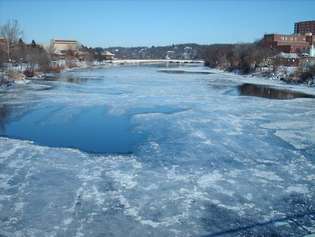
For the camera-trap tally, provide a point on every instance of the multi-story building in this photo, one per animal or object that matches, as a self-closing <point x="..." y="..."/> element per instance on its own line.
<point x="299" y="42"/>
<point x="310" y="38"/>
<point x="3" y="43"/>
<point x="304" y="27"/>
<point x="60" y="47"/>
<point x="287" y="43"/>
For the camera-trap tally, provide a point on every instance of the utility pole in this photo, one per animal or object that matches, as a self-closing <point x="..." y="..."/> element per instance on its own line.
<point x="8" y="44"/>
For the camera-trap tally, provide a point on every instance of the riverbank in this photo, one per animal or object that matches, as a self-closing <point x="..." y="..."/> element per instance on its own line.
<point x="255" y="58"/>
<point x="286" y="74"/>
<point x="253" y="78"/>
<point x="11" y="75"/>
<point x="179" y="67"/>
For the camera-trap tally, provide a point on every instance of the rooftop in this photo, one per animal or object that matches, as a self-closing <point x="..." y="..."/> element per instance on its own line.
<point x="65" y="41"/>
<point x="311" y="21"/>
<point x="107" y="53"/>
<point x="288" y="55"/>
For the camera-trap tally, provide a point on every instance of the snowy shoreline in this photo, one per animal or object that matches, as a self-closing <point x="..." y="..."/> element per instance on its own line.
<point x="183" y="67"/>
<point x="253" y="79"/>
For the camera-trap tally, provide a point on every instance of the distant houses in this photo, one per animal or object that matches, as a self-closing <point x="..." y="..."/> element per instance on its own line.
<point x="295" y="48"/>
<point x="30" y="58"/>
<point x="300" y="41"/>
<point x="108" y="55"/>
<point x="61" y="47"/>
<point x="170" y="54"/>
<point x="287" y="59"/>
<point x="72" y="53"/>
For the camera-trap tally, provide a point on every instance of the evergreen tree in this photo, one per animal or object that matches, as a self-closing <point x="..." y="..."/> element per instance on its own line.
<point x="33" y="44"/>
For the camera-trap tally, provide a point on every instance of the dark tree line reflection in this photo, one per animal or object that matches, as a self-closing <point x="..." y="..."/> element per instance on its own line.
<point x="270" y="92"/>
<point x="5" y="112"/>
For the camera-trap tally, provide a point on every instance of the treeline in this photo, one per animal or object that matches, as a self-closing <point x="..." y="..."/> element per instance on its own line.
<point x="14" y="51"/>
<point x="245" y="58"/>
<point x="248" y="58"/>
<point x="175" y="51"/>
<point x="32" y="54"/>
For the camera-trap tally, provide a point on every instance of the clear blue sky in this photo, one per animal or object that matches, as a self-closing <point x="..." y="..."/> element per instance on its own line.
<point x="154" y="22"/>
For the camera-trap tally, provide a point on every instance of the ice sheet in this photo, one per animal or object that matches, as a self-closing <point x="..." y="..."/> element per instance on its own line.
<point x="212" y="163"/>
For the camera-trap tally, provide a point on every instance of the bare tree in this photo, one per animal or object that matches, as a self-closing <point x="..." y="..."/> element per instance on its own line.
<point x="11" y="32"/>
<point x="3" y="56"/>
<point x="37" y="58"/>
<point x="245" y="58"/>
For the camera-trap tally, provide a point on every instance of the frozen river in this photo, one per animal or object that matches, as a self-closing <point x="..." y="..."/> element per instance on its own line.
<point x="139" y="151"/>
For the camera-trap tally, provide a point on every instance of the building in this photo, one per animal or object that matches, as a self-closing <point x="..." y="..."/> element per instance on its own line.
<point x="299" y="42"/>
<point x="304" y="27"/>
<point x="307" y="61"/>
<point x="60" y="47"/>
<point x="3" y="43"/>
<point x="170" y="55"/>
<point x="287" y="43"/>
<point x="108" y="55"/>
<point x="310" y="38"/>
<point x="287" y="59"/>
<point x="312" y="51"/>
<point x="188" y="51"/>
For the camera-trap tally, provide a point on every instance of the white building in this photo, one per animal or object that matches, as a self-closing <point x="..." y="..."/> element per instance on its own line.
<point x="312" y="51"/>
<point x="108" y="55"/>
<point x="61" y="46"/>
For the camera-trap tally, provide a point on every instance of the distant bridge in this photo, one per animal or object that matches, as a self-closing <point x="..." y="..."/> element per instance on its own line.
<point x="154" y="61"/>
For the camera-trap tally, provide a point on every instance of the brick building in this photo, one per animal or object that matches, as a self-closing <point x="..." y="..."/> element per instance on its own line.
<point x="304" y="27"/>
<point x="287" y="43"/>
<point x="310" y="38"/>
<point x="299" y="42"/>
<point x="3" y="43"/>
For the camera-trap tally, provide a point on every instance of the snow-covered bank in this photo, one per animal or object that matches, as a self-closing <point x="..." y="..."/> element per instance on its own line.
<point x="252" y="78"/>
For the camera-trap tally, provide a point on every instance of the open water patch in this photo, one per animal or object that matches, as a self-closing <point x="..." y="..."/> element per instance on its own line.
<point x="88" y="129"/>
<point x="167" y="110"/>
<point x="183" y="71"/>
<point x="269" y="92"/>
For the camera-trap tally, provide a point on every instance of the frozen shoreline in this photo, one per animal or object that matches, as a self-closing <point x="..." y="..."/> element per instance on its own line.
<point x="183" y="67"/>
<point x="247" y="79"/>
